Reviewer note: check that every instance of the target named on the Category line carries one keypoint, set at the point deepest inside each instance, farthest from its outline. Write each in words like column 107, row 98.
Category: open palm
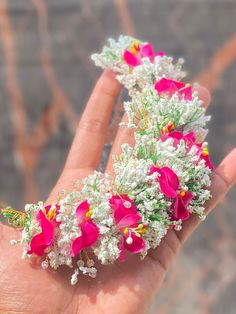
column 127, row 287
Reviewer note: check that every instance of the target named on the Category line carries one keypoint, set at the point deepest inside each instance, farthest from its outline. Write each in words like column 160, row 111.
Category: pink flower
column 166, row 129
column 169, row 186
column 128, row 220
column 171, row 87
column 189, row 140
column 133, row 56
column 204, row 154
column 89, row 230
column 47, row 221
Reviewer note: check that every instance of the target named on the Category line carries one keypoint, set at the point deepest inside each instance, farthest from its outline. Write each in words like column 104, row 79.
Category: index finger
column 89, row 140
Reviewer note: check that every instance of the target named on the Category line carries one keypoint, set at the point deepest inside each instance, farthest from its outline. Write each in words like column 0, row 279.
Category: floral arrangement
column 158, row 183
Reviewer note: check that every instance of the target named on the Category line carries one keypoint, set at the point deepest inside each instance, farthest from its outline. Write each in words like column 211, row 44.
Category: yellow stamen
column 89, row 213
column 142, row 230
column 165, row 130
column 134, row 47
column 170, row 126
column 126, row 231
column 205, row 151
column 51, row 213
column 182, row 193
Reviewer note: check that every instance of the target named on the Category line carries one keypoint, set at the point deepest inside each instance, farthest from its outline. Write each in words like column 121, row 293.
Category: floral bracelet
column 158, row 183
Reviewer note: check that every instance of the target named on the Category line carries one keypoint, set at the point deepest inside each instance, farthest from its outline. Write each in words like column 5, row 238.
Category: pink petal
column 206, row 158
column 90, row 233
column 153, row 169
column 178, row 84
column 187, row 198
column 129, row 220
column 208, row 162
column 164, row 137
column 122, row 251
column 187, row 92
column 117, row 203
column 131, row 59
column 168, row 86
column 176, row 135
column 81, row 210
column 166, row 189
column 147, row 50
column 168, row 180
column 160, row 54
column 43, row 239
column 172, row 177
column 180, row 210
column 162, row 85
column 40, row 216
column 37, row 245
column 57, row 209
column 46, row 226
column 190, row 137
column 137, row 246
column 77, row 246
column 47, row 230
column 47, row 208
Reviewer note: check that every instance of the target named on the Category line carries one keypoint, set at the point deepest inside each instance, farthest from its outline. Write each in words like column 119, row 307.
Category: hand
column 127, row 287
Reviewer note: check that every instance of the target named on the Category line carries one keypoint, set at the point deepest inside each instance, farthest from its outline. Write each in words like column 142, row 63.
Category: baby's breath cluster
column 158, row 183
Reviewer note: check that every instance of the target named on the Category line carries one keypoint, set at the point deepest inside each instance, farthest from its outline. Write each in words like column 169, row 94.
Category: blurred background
column 46, row 76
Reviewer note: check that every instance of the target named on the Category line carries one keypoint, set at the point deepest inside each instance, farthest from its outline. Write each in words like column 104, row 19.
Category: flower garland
column 158, row 183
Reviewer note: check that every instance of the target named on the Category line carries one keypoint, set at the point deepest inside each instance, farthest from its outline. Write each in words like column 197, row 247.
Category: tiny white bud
column 44, row 264
column 24, row 255
column 80, row 263
column 178, row 227
column 129, row 240
column 13, row 242
column 127, row 204
column 74, row 278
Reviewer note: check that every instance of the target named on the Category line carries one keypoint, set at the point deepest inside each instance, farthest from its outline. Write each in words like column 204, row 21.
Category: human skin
column 127, row 287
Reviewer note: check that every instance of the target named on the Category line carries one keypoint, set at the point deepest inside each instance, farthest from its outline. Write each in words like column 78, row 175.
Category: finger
column 123, row 135
column 68, row 181
column 204, row 95
column 223, row 179
column 89, row 140
column 87, row 146
column 126, row 135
